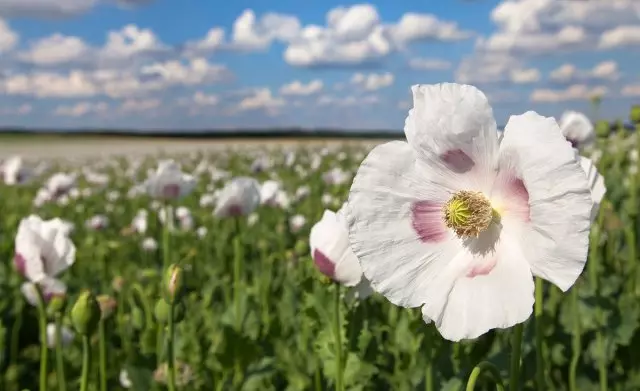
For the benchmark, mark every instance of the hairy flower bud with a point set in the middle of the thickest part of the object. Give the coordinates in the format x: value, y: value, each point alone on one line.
x: 85, y: 314
x: 173, y: 284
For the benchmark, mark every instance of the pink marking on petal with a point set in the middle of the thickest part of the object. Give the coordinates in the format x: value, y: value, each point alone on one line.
x: 457, y: 160
x: 235, y: 210
x: 515, y: 195
x: 428, y: 221
x: 324, y: 264
x: 20, y: 264
x: 171, y: 191
x: 483, y: 268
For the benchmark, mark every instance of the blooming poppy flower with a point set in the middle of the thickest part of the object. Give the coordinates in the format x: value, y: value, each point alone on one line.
x: 457, y: 221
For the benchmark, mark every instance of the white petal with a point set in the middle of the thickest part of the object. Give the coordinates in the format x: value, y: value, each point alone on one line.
x: 406, y: 269
x: 500, y: 299
x: 596, y: 184
x: 58, y: 251
x: 556, y: 240
x: 577, y: 128
x: 454, y: 123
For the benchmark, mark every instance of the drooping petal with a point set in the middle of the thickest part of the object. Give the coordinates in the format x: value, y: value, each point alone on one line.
x: 596, y: 184
x: 452, y: 125
x: 58, y: 251
x: 577, y: 128
x: 556, y: 240
x: 400, y: 264
x: 501, y: 295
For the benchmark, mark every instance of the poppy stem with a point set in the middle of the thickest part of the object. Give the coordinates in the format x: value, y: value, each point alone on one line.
x: 102, y: 355
x: 44, y: 352
x: 171, y: 364
x: 484, y: 367
x: 576, y: 343
x: 60, y: 376
x: 516, y: 352
x: 338, y: 336
x: 539, y: 311
x: 168, y: 214
x: 86, y: 363
x: 428, y: 374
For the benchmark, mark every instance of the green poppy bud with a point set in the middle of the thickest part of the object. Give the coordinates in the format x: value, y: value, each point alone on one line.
x: 85, y: 314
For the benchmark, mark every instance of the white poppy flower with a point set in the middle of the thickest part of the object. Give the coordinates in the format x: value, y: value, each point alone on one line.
x: 124, y: 379
x: 577, y: 128
x: 60, y: 183
x: 297, y: 222
x: 149, y: 244
x: 67, y: 335
x: 98, y: 222
x: 49, y: 287
x: 269, y: 191
x: 169, y: 182
x: 330, y: 250
x: 239, y: 197
x: 201, y: 232
x: 458, y: 222
x: 252, y: 219
x: 43, y: 249
x: 14, y: 171
x: 596, y: 184
x: 139, y: 223
x: 336, y: 176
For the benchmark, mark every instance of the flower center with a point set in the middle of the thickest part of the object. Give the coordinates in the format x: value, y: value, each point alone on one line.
x: 469, y: 213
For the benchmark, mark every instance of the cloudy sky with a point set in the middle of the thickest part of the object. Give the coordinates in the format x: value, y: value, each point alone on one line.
x: 255, y: 63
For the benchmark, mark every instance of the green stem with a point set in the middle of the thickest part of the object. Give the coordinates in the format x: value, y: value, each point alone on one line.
x: 602, y: 363
x: 168, y: 214
x: 516, y: 351
x: 102, y: 355
x: 144, y: 301
x: 338, y: 336
x: 171, y: 364
x: 44, y: 352
x: 539, y: 311
x: 86, y: 363
x: 15, y: 334
x: 428, y: 374
x: 60, y: 376
x: 159, y: 344
x: 493, y: 372
x: 237, y: 271
x: 576, y: 343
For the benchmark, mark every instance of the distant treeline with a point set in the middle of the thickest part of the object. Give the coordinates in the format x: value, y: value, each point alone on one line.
x: 212, y: 134
x: 234, y: 133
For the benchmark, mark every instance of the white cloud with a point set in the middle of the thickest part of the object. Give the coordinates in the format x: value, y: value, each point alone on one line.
x: 620, y: 36
x: 261, y: 99
x: 429, y: 64
x: 129, y: 41
x: 567, y: 73
x: 47, y: 84
x: 547, y: 26
x: 298, y: 88
x: 8, y: 37
x: 55, y: 49
x: 346, y: 101
x: 574, y: 92
x: 632, y: 90
x: 202, y: 99
x: 354, y: 35
x: 45, y: 8
x: 196, y: 71
x: 249, y: 33
x: 23, y: 109
x: 525, y: 76
x: 479, y: 69
x: 139, y: 105
x: 81, y: 109
x: 373, y: 81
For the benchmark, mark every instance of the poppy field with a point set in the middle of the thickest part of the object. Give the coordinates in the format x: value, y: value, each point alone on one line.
x: 324, y: 268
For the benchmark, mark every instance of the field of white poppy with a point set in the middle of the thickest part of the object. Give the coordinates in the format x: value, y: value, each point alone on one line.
x: 263, y: 297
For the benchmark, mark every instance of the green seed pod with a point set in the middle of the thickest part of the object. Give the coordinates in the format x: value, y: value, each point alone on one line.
x: 85, y: 314
x: 302, y: 247
x: 162, y: 311
x: 56, y: 305
x: 173, y: 284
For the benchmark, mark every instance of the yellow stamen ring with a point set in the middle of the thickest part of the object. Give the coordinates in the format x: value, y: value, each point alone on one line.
x: 469, y: 213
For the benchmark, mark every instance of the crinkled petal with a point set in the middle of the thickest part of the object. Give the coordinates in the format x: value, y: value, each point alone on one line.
x: 452, y: 126
x: 406, y: 268
x: 556, y: 239
x: 596, y: 184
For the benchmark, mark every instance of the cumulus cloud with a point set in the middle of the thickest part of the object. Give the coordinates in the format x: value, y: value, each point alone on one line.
x: 373, y: 81
x: 620, y: 36
x: 525, y: 76
x: 81, y: 109
x: 544, y: 26
x: 8, y: 37
x: 356, y: 34
x: 572, y: 93
x: 569, y: 73
x: 429, y: 64
x: 23, y: 109
x: 53, y: 9
x: 482, y: 69
x: 139, y: 105
x: 114, y: 83
x: 55, y: 49
x: 349, y: 100
x: 298, y: 88
x: 632, y: 90
x: 262, y: 99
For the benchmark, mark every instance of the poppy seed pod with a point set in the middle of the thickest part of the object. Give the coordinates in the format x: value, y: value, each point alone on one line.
x: 173, y: 284
x: 85, y: 314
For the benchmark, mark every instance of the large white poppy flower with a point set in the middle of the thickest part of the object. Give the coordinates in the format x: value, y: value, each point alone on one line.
x: 577, y: 128
x: 43, y: 249
x: 169, y: 182
x: 239, y: 197
x: 458, y: 222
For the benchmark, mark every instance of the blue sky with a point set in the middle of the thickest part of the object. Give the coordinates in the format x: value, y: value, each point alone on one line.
x: 205, y: 64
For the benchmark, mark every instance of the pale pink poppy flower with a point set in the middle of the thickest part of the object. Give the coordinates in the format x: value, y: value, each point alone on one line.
x: 239, y: 197
x: 458, y: 222
x: 577, y: 128
x: 169, y: 182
